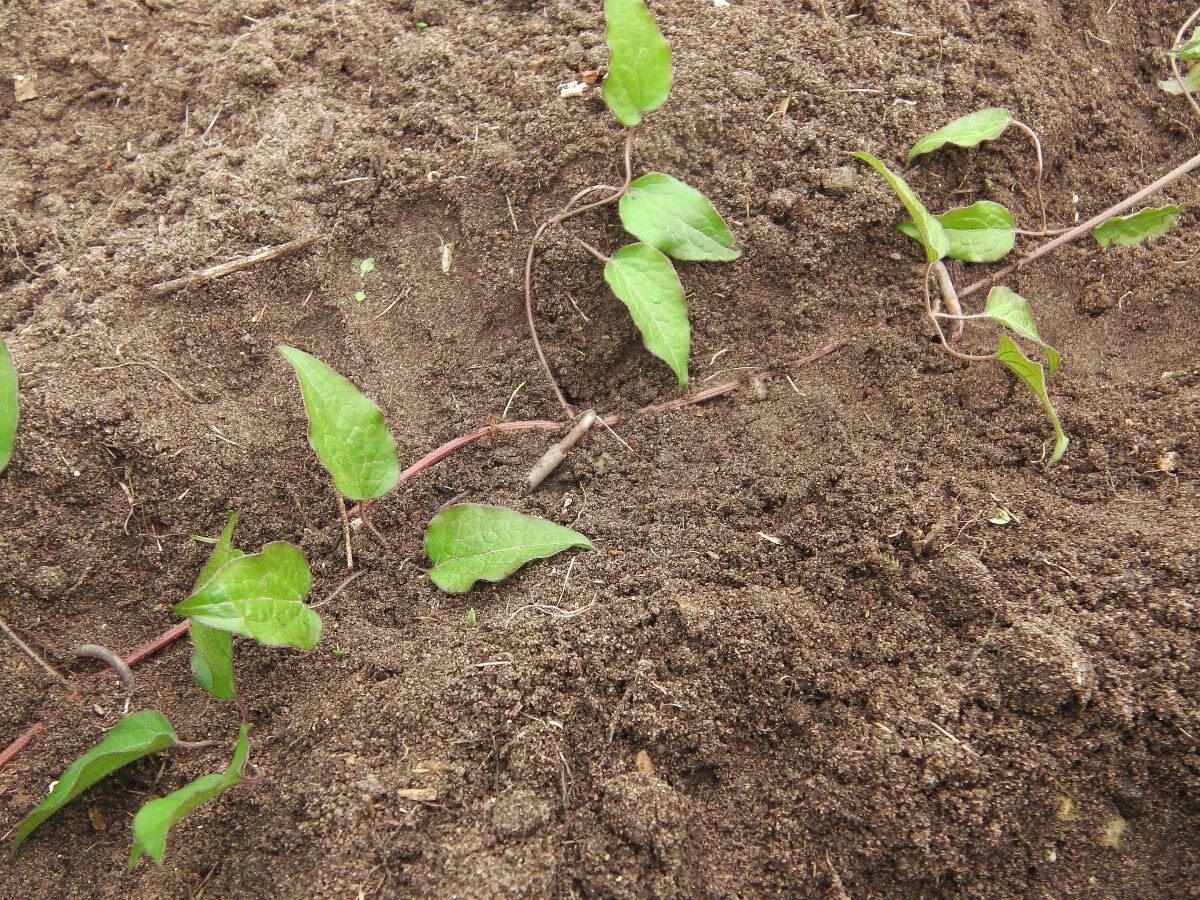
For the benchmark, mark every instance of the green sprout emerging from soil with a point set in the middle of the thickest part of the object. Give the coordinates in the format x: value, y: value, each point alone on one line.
x: 669, y: 219
x: 362, y: 268
x: 8, y: 406
x: 985, y: 232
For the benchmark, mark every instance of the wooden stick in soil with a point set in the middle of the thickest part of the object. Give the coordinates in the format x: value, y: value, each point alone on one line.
x: 345, y: 530
x: 266, y: 255
x: 1079, y: 230
x: 29, y: 651
x: 553, y: 457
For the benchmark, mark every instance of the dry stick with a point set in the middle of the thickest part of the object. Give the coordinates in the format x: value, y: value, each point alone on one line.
x: 1179, y: 39
x: 1037, y: 145
x: 950, y: 298
x: 167, y: 287
x: 567, y: 212
x: 1115, y: 210
x: 345, y: 530
x: 937, y: 326
x: 29, y: 651
x: 553, y: 457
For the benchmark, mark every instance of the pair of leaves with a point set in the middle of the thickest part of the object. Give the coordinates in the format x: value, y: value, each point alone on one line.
x: 8, y: 406
x: 982, y: 232
x: 1012, y: 310
x: 135, y: 736
x: 670, y: 219
x: 346, y: 430
x: 471, y: 542
x: 155, y: 820
x: 639, y: 63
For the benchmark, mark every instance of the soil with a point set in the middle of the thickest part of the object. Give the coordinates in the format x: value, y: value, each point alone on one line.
x: 802, y: 661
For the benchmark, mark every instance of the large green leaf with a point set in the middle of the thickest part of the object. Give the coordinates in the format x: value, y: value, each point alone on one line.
x: 1190, y: 49
x: 212, y: 653
x: 967, y: 131
x: 1191, y: 82
x: 645, y: 281
x: 138, y: 734
x: 929, y: 230
x: 156, y: 819
x: 981, y: 232
x: 1012, y: 310
x: 259, y: 596
x: 1145, y: 224
x: 345, y: 429
x: 677, y: 219
x: 8, y: 406
x: 1034, y: 376
x: 639, y: 62
x: 470, y: 542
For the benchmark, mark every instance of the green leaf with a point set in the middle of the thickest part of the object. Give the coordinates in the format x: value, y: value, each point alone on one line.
x: 1012, y: 311
x: 138, y: 734
x: 155, y: 820
x: 259, y: 596
x: 639, y: 62
x: 981, y: 232
x: 345, y: 429
x: 1145, y: 224
x: 967, y: 131
x: 645, y: 281
x: 1190, y: 50
x: 212, y: 653
x: 8, y: 406
x: 929, y: 230
x: 677, y: 219
x: 1034, y: 376
x: 1191, y: 82
x: 470, y: 542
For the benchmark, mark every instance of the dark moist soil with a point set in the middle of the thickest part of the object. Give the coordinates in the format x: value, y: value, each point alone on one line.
x: 802, y: 662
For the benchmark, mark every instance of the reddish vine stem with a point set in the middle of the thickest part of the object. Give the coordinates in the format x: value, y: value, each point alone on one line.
x: 567, y: 212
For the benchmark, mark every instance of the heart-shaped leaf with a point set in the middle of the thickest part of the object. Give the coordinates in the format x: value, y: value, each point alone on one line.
x: 1012, y: 310
x: 8, y: 406
x: 470, y: 542
x: 930, y: 233
x: 677, y: 219
x: 967, y: 131
x: 639, y: 62
x: 155, y: 820
x: 1034, y: 376
x: 645, y: 281
x: 1145, y: 224
x: 138, y: 734
x: 345, y: 429
x: 259, y: 596
x: 981, y: 232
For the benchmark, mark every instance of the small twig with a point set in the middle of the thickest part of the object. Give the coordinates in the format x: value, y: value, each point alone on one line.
x: 110, y: 659
x: 29, y: 651
x: 950, y: 298
x: 1037, y: 145
x: 346, y: 530
x: 511, y: 398
x: 553, y: 457
x: 341, y: 587
x: 20, y: 743
x: 1098, y: 219
x: 163, y: 372
x: 237, y: 265
x: 600, y: 257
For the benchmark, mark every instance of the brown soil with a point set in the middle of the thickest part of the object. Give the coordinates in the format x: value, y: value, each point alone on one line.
x: 847, y: 681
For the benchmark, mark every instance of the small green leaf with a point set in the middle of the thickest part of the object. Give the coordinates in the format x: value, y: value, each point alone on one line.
x: 677, y: 219
x: 156, y: 819
x: 981, y: 232
x: 639, y: 63
x: 1191, y: 82
x: 138, y: 734
x: 967, y: 131
x: 1034, y: 376
x: 1145, y: 224
x: 1012, y: 311
x: 212, y: 653
x: 259, y: 596
x: 929, y: 230
x: 345, y: 429
x: 470, y: 542
x: 1190, y: 50
x: 360, y: 296
x: 645, y: 281
x: 8, y: 406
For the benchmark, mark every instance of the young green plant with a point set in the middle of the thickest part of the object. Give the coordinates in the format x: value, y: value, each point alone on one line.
x: 8, y: 406
x: 669, y: 219
x: 986, y: 232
